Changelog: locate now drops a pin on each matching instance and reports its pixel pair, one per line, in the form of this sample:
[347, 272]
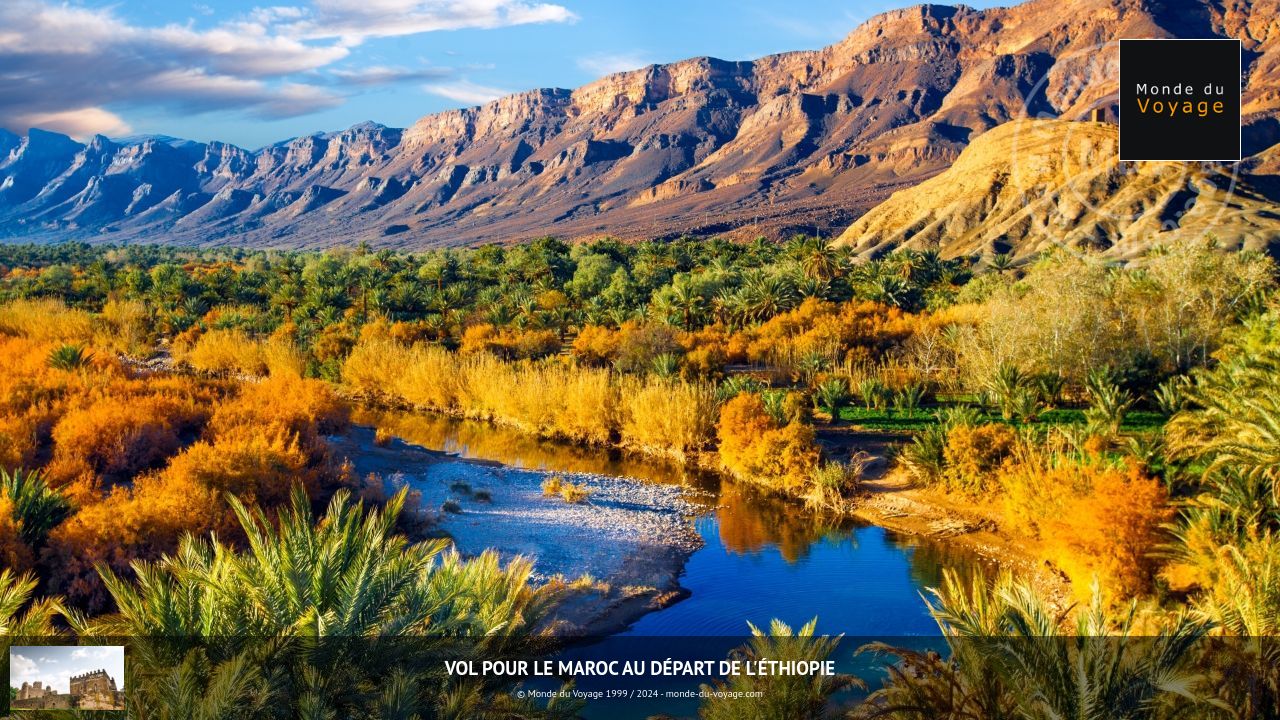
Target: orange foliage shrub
[258, 444]
[1039, 492]
[14, 553]
[333, 342]
[509, 343]
[640, 343]
[114, 438]
[1111, 532]
[411, 332]
[595, 346]
[305, 409]
[706, 351]
[255, 466]
[20, 437]
[850, 332]
[481, 337]
[103, 422]
[127, 525]
[974, 452]
[753, 447]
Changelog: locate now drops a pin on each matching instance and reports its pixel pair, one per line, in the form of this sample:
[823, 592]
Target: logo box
[1180, 100]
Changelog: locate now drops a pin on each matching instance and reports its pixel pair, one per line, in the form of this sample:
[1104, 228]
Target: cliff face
[797, 141]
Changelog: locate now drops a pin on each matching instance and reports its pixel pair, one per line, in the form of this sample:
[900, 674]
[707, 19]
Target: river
[761, 558]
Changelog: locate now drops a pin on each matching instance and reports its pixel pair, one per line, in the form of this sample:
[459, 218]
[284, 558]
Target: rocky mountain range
[801, 141]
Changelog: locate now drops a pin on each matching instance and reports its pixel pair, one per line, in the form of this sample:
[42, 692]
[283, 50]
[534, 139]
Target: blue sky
[55, 665]
[252, 73]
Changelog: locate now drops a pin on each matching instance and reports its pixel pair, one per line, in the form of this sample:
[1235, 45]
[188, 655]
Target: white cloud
[72, 68]
[609, 63]
[355, 20]
[384, 74]
[24, 669]
[465, 91]
[79, 123]
[21, 666]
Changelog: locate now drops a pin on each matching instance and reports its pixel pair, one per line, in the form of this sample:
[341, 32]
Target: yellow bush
[588, 407]
[552, 485]
[754, 448]
[595, 345]
[671, 418]
[14, 553]
[1035, 493]
[224, 351]
[233, 351]
[974, 452]
[283, 358]
[545, 398]
[45, 320]
[430, 378]
[114, 439]
[575, 493]
[1111, 532]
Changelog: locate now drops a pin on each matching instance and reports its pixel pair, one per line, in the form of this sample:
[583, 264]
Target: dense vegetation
[1118, 422]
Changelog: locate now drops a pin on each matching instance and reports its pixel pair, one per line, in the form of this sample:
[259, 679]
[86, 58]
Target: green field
[894, 420]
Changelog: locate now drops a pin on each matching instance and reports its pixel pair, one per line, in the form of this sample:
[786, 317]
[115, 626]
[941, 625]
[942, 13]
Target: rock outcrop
[1031, 185]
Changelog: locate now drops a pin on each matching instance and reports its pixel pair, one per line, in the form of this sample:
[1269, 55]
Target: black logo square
[1180, 100]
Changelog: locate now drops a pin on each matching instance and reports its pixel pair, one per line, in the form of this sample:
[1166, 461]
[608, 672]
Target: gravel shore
[631, 536]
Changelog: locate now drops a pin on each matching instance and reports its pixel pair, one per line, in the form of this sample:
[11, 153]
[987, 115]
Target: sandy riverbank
[888, 499]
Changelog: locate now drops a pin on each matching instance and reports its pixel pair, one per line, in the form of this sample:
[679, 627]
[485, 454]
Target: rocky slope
[797, 141]
[1030, 185]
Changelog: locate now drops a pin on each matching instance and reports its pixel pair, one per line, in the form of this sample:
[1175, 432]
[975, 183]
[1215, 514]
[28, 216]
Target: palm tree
[819, 259]
[20, 615]
[1006, 387]
[682, 300]
[36, 506]
[1243, 602]
[830, 395]
[766, 295]
[1001, 262]
[1108, 402]
[794, 697]
[1236, 420]
[1010, 658]
[69, 357]
[728, 307]
[323, 612]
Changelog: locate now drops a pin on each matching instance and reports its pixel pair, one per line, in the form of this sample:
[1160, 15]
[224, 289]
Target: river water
[763, 558]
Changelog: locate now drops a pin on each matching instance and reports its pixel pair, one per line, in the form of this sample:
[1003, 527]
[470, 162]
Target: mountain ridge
[799, 141]
[1033, 185]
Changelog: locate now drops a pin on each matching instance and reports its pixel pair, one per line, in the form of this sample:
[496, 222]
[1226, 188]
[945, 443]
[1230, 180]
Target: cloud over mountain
[74, 68]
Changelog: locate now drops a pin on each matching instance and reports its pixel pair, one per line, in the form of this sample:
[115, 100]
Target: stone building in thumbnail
[92, 691]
